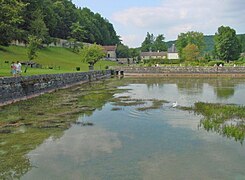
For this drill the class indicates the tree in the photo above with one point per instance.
(92, 54)
(190, 37)
(122, 51)
(77, 36)
(10, 17)
(227, 45)
(33, 46)
(147, 44)
(241, 38)
(159, 44)
(190, 52)
(135, 54)
(38, 27)
(77, 31)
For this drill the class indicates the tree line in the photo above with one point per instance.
(49, 20)
(224, 45)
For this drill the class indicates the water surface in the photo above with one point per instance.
(126, 143)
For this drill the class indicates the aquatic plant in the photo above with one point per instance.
(155, 104)
(225, 119)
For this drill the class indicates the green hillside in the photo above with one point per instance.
(52, 60)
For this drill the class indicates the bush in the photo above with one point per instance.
(161, 61)
(218, 62)
(78, 68)
(239, 63)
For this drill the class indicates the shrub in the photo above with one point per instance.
(218, 62)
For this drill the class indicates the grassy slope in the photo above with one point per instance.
(47, 57)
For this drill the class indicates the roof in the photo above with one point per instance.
(153, 53)
(172, 49)
(110, 48)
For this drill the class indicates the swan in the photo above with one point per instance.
(175, 104)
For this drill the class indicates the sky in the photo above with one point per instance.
(132, 19)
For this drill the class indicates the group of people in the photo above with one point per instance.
(16, 69)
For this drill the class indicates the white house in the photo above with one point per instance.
(172, 53)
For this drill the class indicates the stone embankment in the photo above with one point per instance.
(13, 89)
(180, 71)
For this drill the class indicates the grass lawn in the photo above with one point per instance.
(62, 60)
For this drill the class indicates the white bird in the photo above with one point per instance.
(175, 104)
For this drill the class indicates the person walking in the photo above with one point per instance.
(18, 68)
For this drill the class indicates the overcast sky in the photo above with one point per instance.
(132, 19)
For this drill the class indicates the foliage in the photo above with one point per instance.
(190, 52)
(217, 62)
(159, 44)
(75, 45)
(10, 17)
(217, 117)
(92, 54)
(122, 51)
(152, 43)
(38, 27)
(151, 62)
(77, 32)
(209, 43)
(190, 37)
(147, 44)
(241, 38)
(53, 18)
(135, 54)
(33, 46)
(227, 45)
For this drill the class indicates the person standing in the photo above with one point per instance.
(13, 68)
(18, 68)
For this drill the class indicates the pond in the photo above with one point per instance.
(128, 129)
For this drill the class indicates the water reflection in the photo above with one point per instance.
(70, 153)
(190, 86)
(136, 133)
(26, 124)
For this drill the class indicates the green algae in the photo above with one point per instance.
(155, 104)
(127, 101)
(27, 124)
(116, 109)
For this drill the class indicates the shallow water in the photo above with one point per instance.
(126, 143)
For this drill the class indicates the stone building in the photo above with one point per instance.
(110, 52)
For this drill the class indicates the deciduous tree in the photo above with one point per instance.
(190, 37)
(227, 45)
(38, 27)
(147, 44)
(190, 52)
(159, 44)
(10, 17)
(32, 49)
(92, 54)
(122, 51)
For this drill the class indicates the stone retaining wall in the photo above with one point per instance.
(17, 88)
(181, 70)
